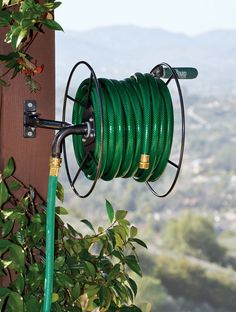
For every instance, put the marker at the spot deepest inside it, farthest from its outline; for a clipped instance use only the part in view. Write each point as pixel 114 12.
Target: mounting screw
pixel 83 140
pixel 29 132
pixel 29 104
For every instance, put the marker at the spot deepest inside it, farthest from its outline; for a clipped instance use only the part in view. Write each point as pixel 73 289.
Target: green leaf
pixel 15 302
pixel 59 262
pixel 110 211
pixel 60 192
pixel 73 232
pixel 4 245
pixel 34 267
pixel 3 83
pixel 22 35
pixel 9 169
pixel 111 235
pixel 133 285
pixel 90 269
pixel 114 272
pixel 89 224
pixel 37 218
pixel 121 214
pixel 91 290
pixel 32 305
pixel 17 256
pixel 4 195
pixel 5 263
pixel 131 308
pixel 121 231
pixel 7 213
pixel 61 210
pixel 55 297
pixel 52 5
pixel 130 293
pixel 138 241
pixel 76 291
pixel 7 227
pixel 20 236
pixel 4 292
pixel 133 231
pixel 14 185
pixel 52 24
pixel 5 17
pixel 20 283
pixel 132 263
pixel 64 280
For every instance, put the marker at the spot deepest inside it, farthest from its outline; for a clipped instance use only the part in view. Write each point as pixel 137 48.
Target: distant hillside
pixel 121 50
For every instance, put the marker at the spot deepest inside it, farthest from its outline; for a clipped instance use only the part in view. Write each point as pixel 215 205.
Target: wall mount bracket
pixel 33 121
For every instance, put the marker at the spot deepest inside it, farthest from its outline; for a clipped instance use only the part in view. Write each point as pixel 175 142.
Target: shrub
pixel 91 271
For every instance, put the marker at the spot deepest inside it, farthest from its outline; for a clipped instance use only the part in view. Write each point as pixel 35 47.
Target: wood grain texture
pixel 31 155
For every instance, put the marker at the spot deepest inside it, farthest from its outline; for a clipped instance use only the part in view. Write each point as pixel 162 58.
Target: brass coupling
pixel 54 166
pixel 144 161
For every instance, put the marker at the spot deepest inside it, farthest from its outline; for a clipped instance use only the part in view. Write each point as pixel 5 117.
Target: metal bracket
pixel 30 108
pixel 32 120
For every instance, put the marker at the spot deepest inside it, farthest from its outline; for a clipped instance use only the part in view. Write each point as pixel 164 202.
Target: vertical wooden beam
pixel 31 155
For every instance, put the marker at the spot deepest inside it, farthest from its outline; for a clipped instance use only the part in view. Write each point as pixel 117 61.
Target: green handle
pixel 182 72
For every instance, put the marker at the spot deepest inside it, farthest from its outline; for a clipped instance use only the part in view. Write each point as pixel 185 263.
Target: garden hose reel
pixel 119 128
pixel 112 121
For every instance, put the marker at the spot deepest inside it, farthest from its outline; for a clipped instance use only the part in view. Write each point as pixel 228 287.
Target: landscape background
pixel 181 273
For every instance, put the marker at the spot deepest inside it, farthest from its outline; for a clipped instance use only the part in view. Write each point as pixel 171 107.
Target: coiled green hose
pixel 138 120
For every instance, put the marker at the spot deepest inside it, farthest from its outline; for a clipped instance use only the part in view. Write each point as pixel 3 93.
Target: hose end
pixel 144 161
pixel 54 166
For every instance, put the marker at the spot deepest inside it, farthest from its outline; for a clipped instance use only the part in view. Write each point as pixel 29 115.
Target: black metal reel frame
pixel 159 69
pixel 67 97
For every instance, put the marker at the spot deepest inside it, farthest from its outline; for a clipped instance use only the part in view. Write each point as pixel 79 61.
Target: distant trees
pixel 182 278
pixel 194 235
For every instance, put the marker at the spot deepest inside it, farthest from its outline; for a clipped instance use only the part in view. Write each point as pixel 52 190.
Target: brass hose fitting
pixel 144 161
pixel 54 166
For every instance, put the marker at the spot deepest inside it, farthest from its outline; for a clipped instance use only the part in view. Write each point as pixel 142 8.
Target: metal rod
pixel 60 136
pixel 173 164
pixel 34 121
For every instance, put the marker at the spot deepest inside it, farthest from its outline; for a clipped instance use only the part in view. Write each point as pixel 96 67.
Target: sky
pixel 191 17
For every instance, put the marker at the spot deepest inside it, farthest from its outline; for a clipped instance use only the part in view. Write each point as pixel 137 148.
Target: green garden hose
pixel 50 228
pixel 138 128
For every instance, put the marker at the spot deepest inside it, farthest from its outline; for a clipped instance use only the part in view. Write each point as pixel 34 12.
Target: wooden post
pixel 31 155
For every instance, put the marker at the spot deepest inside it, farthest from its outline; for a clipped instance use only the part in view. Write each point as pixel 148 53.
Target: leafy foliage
pixel 91 271
pixel 23 21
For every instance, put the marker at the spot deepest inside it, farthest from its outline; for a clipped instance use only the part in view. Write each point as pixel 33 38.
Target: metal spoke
pixel 72 99
pixel 168 81
pixel 89 90
pixel 79 170
pixel 173 164
pixel 91 155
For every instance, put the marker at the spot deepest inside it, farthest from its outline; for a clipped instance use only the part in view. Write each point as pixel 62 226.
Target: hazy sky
pixel 187 16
